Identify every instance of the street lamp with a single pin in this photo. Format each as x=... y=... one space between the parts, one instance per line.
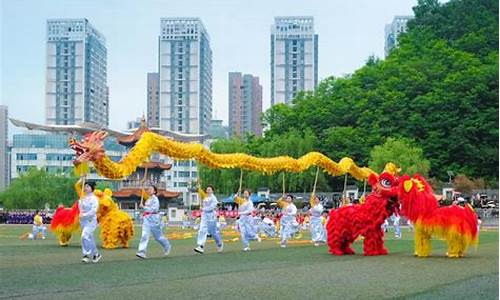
x=450 y=174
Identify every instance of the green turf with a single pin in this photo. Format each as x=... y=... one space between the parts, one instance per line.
x=43 y=270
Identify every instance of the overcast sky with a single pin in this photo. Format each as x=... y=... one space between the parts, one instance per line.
x=349 y=32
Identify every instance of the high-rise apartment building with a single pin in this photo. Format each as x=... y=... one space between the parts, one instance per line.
x=294 y=58
x=4 y=148
x=393 y=30
x=245 y=104
x=153 y=100
x=185 y=71
x=76 y=83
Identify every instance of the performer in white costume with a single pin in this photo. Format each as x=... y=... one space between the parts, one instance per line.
x=318 y=232
x=152 y=224
x=88 y=205
x=246 y=223
x=208 y=223
x=288 y=224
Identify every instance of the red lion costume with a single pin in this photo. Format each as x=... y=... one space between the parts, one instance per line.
x=455 y=224
x=65 y=222
x=345 y=224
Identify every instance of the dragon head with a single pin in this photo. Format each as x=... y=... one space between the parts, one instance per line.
x=90 y=148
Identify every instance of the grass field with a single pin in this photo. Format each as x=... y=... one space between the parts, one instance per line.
x=43 y=270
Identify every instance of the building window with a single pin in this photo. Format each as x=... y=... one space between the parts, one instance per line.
x=184 y=174
x=26 y=156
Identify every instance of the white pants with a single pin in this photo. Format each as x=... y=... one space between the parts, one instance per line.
x=88 y=243
x=318 y=232
x=268 y=229
x=288 y=227
x=37 y=229
x=247 y=230
x=208 y=227
x=155 y=230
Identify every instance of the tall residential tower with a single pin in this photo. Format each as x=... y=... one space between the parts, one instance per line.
x=245 y=104
x=294 y=58
x=185 y=67
x=4 y=148
x=393 y=30
x=76 y=84
x=153 y=93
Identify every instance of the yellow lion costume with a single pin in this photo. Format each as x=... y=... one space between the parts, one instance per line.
x=117 y=226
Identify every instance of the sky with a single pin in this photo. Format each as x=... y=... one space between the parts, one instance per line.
x=349 y=32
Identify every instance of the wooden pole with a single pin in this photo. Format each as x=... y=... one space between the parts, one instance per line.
x=241 y=181
x=142 y=186
x=315 y=181
x=283 y=184
x=345 y=186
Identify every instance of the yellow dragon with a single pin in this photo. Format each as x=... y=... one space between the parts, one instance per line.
x=91 y=149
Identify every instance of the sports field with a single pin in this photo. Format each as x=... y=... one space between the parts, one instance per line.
x=42 y=270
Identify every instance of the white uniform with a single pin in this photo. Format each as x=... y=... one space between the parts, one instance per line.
x=246 y=223
x=88 y=206
x=288 y=224
x=268 y=227
x=208 y=224
x=152 y=224
x=395 y=222
x=318 y=232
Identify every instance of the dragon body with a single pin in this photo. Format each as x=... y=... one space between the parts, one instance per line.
x=91 y=149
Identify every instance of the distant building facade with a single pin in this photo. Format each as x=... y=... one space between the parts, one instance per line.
x=245 y=104
x=294 y=58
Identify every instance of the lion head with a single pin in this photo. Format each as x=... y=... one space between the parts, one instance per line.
x=416 y=196
x=106 y=203
x=386 y=184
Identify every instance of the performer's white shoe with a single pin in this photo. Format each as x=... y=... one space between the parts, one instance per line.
x=199 y=249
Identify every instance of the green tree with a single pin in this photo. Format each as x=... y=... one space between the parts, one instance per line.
x=403 y=153
x=35 y=188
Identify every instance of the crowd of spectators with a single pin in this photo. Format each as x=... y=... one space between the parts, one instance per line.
x=22 y=217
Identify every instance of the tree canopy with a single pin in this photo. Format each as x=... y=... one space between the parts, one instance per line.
x=37 y=187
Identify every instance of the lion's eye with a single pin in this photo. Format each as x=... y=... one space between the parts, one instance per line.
x=385 y=183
